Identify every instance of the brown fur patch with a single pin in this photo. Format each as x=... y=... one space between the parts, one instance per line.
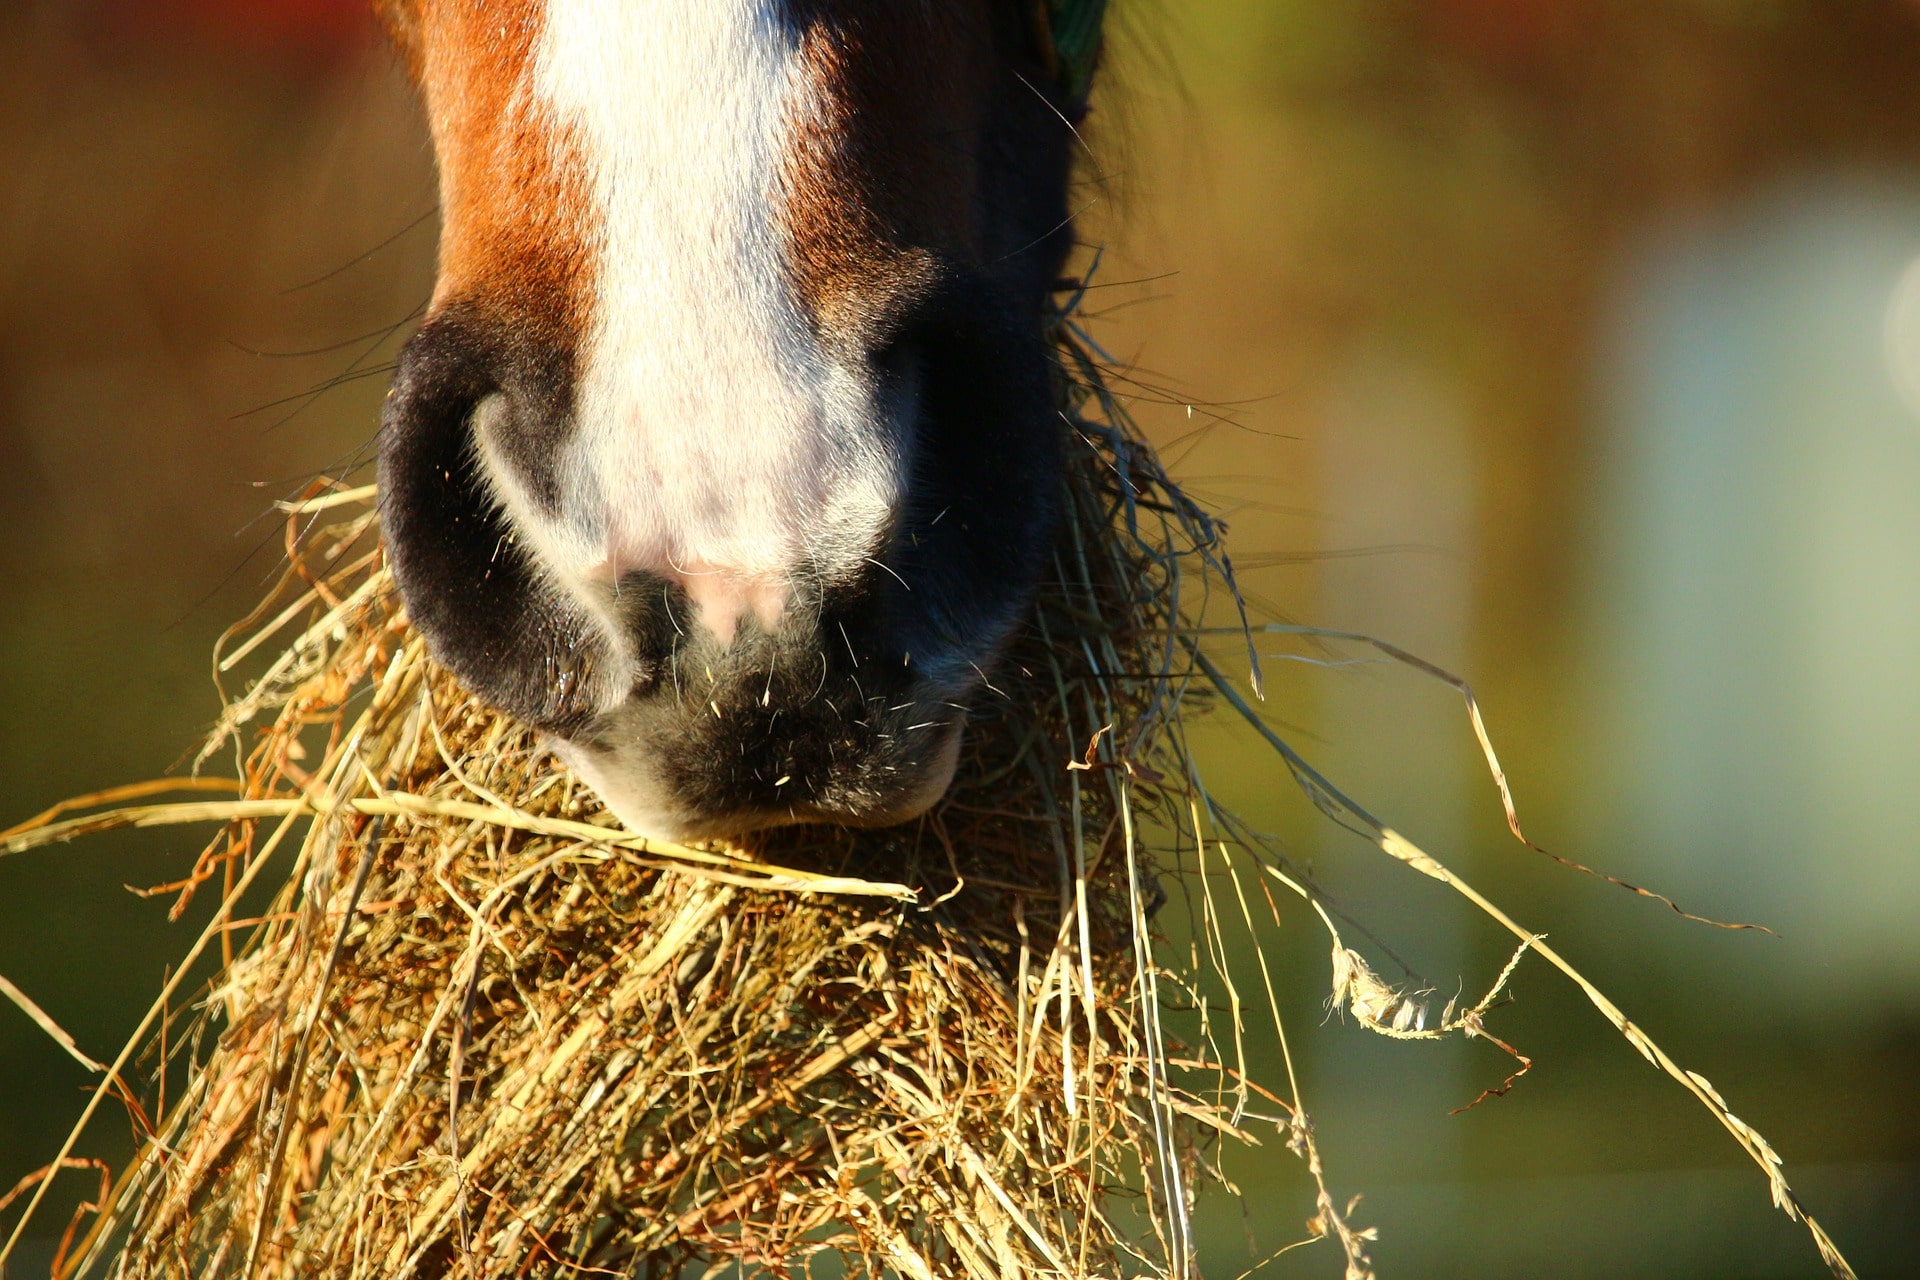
x=515 y=239
x=883 y=171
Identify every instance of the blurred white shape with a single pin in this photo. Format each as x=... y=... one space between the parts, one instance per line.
x=1755 y=603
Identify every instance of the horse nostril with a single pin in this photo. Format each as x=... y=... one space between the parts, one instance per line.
x=471 y=588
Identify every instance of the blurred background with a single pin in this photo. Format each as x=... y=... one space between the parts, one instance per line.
x=1572 y=344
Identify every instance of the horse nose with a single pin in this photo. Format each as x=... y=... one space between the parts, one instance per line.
x=720 y=647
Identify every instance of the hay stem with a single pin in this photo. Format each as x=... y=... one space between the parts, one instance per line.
x=1338 y=805
x=134 y=1041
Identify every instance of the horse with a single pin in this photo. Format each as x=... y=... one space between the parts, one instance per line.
x=727 y=453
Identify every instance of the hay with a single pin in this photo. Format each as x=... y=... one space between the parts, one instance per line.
x=480 y=1030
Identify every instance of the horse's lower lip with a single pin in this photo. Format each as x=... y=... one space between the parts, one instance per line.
x=904 y=808
x=634 y=805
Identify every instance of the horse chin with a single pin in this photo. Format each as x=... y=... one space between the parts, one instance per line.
x=629 y=784
x=908 y=805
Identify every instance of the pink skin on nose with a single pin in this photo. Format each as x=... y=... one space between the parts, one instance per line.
x=721 y=597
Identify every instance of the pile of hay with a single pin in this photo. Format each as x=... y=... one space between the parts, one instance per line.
x=480 y=1030
x=474 y=1028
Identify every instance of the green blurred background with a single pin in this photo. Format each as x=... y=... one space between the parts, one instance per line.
x=1572 y=344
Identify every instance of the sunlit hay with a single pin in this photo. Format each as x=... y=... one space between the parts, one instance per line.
x=476 y=1029
x=479 y=1030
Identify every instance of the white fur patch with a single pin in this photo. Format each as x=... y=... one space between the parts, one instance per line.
x=717 y=443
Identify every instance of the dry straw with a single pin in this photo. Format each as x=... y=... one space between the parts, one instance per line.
x=476 y=1029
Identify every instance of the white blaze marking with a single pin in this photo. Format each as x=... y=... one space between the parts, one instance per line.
x=717 y=444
